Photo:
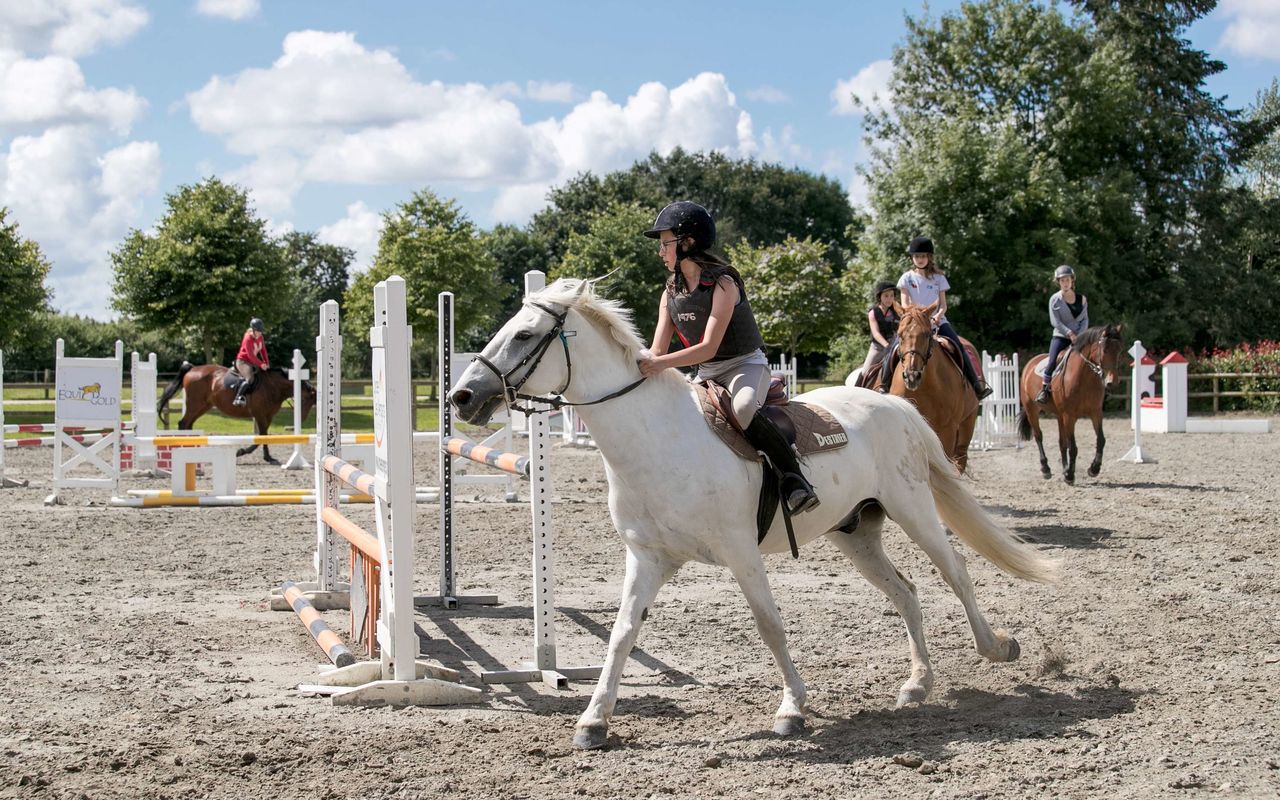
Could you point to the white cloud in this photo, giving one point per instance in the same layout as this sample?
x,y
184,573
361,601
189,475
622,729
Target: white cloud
x,y
77,203
67,27
767,94
1254,27
783,147
359,230
551,91
870,85
329,109
228,9
35,93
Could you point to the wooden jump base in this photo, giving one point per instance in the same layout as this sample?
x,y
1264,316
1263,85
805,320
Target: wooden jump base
x,y
319,630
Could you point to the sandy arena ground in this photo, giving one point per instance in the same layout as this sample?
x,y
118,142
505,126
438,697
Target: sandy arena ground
x,y
140,659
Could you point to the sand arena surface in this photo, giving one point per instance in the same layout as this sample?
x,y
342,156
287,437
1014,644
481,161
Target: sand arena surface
x,y
140,658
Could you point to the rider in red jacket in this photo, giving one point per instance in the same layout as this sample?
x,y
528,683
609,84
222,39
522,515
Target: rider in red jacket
x,y
251,358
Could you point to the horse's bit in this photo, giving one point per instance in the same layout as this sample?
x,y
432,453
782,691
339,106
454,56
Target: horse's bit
x,y
511,390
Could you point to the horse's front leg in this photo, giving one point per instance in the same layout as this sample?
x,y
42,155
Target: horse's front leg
x,y
1067,446
1096,466
262,426
646,573
748,570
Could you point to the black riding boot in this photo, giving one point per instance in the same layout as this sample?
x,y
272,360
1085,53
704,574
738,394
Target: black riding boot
x,y
1045,396
886,367
797,492
980,386
241,390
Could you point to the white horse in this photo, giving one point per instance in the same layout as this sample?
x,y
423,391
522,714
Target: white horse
x,y
678,494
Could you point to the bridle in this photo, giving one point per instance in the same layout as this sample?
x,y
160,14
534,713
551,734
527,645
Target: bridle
x,y
924,357
511,388
1096,368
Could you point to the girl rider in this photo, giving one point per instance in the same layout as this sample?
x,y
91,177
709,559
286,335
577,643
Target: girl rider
x,y
251,358
1069,316
704,302
923,285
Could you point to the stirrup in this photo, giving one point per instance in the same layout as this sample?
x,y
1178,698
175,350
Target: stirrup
x,y
808,499
1046,394
240,401
985,391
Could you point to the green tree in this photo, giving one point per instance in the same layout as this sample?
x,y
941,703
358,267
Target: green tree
x,y
611,243
798,300
23,269
435,247
754,202
208,269
1262,168
516,251
319,272
1021,139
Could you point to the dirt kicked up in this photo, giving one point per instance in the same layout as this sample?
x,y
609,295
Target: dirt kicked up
x,y
139,658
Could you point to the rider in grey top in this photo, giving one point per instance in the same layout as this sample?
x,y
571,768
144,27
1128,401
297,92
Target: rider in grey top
x,y
1069,316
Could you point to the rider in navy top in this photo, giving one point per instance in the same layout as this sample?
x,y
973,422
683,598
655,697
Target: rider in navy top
x,y
705,304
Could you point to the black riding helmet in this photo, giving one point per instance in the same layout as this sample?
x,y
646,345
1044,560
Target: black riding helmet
x,y
880,288
920,244
257,325
688,221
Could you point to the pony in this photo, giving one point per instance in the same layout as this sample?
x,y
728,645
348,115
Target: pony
x,y
206,390
937,388
678,494
1079,387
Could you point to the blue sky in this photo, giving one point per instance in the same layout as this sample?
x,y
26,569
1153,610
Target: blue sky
x,y
330,113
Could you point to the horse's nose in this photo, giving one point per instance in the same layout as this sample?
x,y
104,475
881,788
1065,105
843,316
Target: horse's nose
x,y
460,398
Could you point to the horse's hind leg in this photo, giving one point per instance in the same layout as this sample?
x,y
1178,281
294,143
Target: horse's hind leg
x,y
919,518
748,569
262,425
1096,465
865,549
645,575
1033,419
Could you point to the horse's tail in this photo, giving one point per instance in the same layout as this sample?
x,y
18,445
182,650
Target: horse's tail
x,y
1024,426
162,405
975,527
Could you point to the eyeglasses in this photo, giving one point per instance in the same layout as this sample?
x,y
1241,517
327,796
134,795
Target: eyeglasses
x,y
664,245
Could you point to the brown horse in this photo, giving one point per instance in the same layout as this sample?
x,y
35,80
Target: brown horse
x,y
1079,387
206,390
937,388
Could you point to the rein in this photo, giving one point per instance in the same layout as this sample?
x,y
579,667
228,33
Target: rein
x,y
511,389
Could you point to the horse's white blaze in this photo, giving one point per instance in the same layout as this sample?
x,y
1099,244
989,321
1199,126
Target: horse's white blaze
x,y
677,494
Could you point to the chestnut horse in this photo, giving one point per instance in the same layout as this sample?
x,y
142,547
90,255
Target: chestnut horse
x,y
1079,387
205,391
938,387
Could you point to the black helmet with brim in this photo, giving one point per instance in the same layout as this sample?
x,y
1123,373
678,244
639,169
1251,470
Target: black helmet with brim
x,y
686,220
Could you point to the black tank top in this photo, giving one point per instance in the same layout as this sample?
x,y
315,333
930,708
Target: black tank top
x,y
1076,307
886,321
690,313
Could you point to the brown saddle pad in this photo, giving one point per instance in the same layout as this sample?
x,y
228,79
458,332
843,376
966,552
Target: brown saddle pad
x,y
810,428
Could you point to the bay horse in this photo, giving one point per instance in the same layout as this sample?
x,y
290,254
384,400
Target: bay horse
x,y
678,494
938,388
206,390
1079,388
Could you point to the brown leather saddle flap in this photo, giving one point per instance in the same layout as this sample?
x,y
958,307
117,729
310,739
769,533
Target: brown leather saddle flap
x,y
871,378
810,428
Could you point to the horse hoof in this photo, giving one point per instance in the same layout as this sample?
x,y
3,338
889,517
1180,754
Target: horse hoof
x,y
591,738
1093,471
1015,650
1070,480
1046,474
911,695
272,461
788,726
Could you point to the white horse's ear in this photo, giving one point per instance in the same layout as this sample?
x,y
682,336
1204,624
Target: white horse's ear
x,y
593,281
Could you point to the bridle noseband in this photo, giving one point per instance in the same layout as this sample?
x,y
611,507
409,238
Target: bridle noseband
x,y
511,388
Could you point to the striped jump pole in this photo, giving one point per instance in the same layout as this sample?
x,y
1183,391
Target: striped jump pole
x,y
507,462
321,632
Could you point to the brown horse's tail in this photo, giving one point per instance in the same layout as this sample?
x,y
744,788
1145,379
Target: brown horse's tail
x,y
1024,426
162,405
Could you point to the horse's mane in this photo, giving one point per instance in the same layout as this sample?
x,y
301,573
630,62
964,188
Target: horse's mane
x,y
1087,339
579,294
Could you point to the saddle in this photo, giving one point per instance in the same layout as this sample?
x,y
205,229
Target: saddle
x,y
807,428
1057,368
232,379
